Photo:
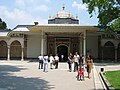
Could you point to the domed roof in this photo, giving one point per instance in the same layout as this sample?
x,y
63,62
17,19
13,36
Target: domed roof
x,y
63,14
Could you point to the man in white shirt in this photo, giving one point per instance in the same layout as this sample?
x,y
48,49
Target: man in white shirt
x,y
76,61
56,61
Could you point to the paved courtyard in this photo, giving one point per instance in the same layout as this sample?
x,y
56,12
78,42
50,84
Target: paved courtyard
x,y
108,66
18,75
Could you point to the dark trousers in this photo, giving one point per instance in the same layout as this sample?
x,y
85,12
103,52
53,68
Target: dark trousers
x,y
75,66
40,64
56,64
70,67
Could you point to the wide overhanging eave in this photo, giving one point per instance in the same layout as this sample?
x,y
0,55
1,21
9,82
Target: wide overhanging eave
x,y
43,27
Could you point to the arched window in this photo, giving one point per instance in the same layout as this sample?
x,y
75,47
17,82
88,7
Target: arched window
x,y
109,44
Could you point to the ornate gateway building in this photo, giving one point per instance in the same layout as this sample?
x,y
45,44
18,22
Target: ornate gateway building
x,y
62,35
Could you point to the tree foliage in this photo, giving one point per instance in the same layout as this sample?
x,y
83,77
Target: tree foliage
x,y
116,25
2,24
108,12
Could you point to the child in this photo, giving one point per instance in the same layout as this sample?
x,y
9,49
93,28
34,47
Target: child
x,y
80,75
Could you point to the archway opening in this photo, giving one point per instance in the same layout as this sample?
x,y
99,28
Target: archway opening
x,y
62,52
3,50
109,51
15,50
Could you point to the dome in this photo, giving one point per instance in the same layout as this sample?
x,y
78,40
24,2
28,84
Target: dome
x,y
63,14
63,17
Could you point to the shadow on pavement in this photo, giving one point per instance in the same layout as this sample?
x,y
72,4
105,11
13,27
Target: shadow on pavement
x,y
9,68
8,82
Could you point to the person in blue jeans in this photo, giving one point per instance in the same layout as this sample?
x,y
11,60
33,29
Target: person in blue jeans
x,y
45,62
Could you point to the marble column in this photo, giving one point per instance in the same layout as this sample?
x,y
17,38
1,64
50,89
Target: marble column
x,y
22,54
116,54
81,45
8,56
102,54
42,44
84,44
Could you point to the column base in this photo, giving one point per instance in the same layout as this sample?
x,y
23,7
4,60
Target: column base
x,y
8,59
22,59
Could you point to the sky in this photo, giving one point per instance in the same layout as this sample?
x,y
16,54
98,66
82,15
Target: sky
x,y
26,12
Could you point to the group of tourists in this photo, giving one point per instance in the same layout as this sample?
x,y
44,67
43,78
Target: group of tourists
x,y
79,64
43,62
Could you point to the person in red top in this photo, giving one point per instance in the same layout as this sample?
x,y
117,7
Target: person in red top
x,y
80,75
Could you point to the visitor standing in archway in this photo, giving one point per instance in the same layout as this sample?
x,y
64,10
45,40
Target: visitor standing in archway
x,y
62,56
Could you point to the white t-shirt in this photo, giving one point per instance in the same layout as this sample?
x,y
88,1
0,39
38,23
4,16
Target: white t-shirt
x,y
56,58
45,59
76,58
51,59
40,57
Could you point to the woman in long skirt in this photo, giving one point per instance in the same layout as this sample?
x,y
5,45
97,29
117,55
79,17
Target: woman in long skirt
x,y
89,63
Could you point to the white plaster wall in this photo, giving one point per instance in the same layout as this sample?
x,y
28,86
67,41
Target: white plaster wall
x,y
33,46
92,45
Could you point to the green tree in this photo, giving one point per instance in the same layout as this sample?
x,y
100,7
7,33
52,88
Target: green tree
x,y
108,12
2,24
116,25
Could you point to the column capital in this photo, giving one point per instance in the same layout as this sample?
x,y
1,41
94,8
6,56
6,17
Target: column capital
x,y
8,46
84,35
116,47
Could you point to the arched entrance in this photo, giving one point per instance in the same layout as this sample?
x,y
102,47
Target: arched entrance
x,y
109,51
62,50
3,49
15,50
